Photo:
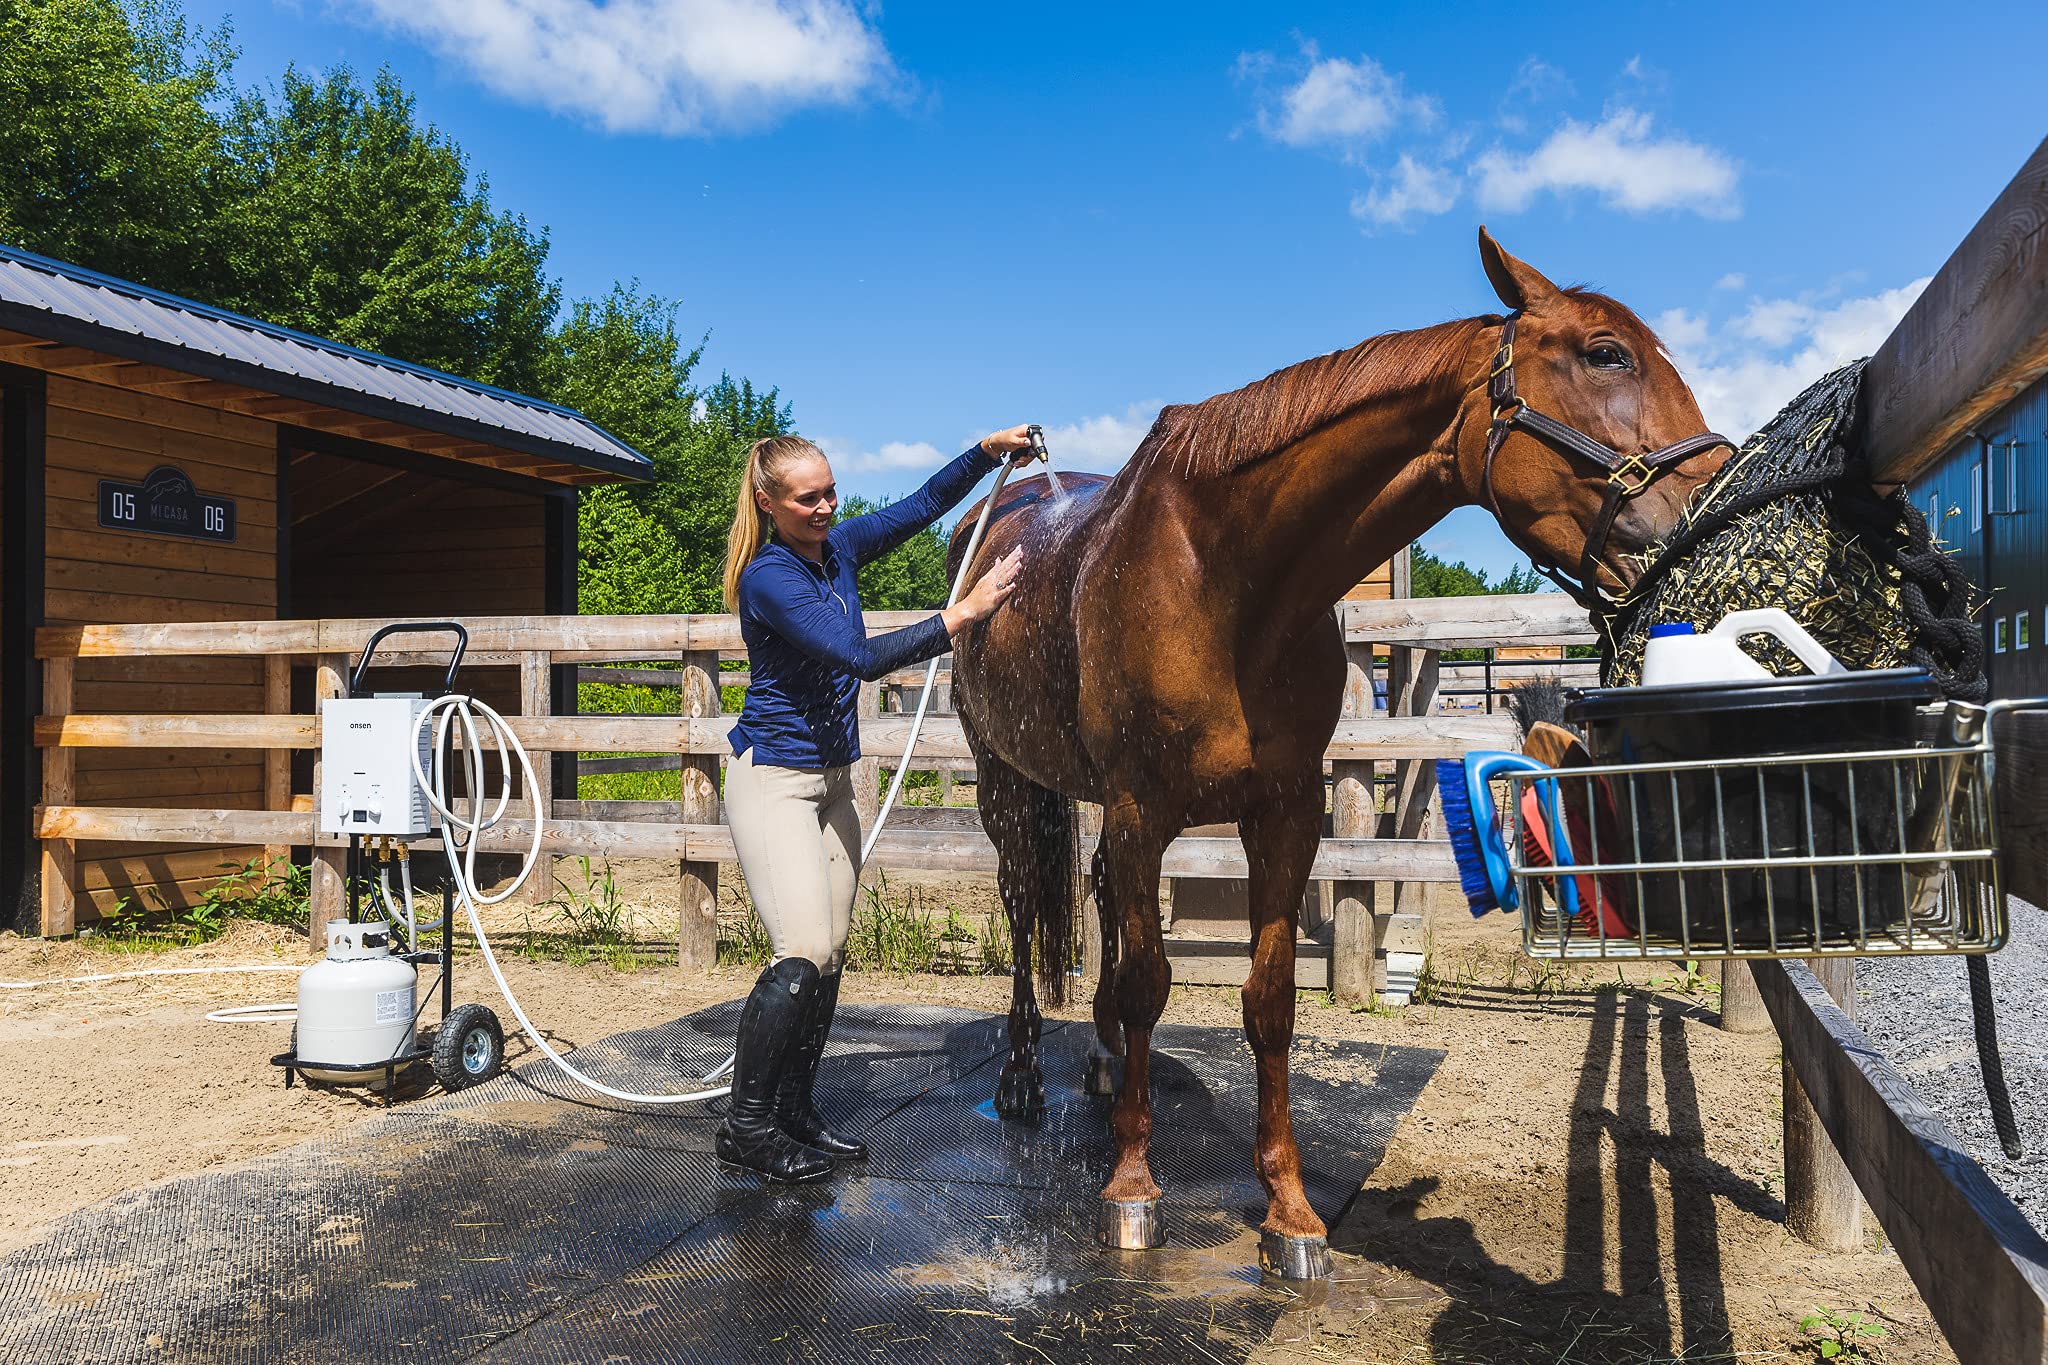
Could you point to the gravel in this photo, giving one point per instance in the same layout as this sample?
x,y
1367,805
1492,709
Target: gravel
x,y
1917,1011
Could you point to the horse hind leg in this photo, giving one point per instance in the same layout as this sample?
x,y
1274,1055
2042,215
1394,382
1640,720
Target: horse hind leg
x,y
1109,1030
1025,822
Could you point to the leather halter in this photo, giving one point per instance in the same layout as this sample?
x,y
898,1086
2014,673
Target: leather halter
x,y
1627,475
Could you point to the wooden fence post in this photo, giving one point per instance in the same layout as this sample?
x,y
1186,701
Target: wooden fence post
x,y
60,788
1090,826
537,698
277,763
697,924
867,774
1742,1006
1402,933
328,899
1354,940
1822,1204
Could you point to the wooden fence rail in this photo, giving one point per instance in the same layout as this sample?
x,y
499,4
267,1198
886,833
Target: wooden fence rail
x,y
689,830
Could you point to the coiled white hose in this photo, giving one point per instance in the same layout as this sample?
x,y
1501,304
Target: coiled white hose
x,y
461,838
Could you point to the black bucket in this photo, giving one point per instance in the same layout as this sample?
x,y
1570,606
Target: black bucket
x,y
1746,812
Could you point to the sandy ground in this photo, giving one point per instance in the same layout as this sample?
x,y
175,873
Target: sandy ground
x,y
1593,1175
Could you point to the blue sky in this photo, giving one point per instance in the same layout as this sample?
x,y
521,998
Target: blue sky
x,y
928,220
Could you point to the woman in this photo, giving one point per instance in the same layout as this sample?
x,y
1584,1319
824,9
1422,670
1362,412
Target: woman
x,y
789,792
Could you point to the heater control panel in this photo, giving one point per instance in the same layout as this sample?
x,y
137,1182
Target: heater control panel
x,y
367,784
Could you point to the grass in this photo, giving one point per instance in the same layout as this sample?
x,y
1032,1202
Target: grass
x,y
587,920
269,892
894,929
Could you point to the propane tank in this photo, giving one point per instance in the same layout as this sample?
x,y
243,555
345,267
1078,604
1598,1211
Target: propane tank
x,y
357,1006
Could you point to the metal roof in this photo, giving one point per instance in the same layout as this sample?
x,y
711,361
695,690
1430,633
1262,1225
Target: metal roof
x,y
70,304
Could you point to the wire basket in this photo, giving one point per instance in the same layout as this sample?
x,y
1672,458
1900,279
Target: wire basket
x,y
1891,851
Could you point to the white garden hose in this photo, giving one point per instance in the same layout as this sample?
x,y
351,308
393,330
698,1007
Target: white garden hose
x,y
461,838
931,669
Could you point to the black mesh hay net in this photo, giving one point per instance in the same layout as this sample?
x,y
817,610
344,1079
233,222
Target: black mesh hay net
x,y
1791,521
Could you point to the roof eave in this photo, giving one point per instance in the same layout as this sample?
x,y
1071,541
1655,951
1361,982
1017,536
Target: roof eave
x,y
124,345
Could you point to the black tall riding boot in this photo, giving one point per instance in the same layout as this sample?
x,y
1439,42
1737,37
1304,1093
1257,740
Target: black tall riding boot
x,y
794,1112
770,1039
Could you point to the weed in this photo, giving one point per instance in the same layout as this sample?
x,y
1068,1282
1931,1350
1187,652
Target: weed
x,y
271,891
1842,1336
1692,983
592,922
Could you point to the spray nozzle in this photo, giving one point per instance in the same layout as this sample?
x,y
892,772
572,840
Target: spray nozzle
x,y
1037,447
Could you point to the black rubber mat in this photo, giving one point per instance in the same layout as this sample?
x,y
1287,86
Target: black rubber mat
x,y
520,1222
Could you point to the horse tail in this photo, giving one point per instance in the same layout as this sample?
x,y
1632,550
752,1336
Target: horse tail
x,y
1056,845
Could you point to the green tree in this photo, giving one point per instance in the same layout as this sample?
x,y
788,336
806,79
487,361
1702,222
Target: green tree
x,y
911,577
1429,576
110,143
360,223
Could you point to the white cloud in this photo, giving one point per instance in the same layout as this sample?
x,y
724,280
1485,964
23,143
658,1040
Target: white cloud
x,y
1412,188
1618,160
1336,102
661,66
893,456
1746,368
1734,279
1103,443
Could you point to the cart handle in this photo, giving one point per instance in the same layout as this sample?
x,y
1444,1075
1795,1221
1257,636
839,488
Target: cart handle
x,y
355,681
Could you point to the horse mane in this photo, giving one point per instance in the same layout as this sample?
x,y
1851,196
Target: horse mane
x,y
1243,426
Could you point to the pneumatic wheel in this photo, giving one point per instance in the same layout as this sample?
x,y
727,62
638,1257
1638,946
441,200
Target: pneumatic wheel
x,y
469,1047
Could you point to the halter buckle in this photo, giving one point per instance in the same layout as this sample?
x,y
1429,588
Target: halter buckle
x,y
1504,359
1632,476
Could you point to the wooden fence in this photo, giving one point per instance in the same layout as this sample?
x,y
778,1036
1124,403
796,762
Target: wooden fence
x,y
1364,848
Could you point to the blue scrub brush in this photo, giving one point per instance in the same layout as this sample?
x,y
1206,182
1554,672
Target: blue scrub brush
x,y
1469,817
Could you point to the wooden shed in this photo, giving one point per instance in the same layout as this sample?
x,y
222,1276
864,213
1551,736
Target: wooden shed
x,y
166,461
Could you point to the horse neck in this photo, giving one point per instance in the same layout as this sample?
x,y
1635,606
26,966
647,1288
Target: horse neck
x,y
1337,504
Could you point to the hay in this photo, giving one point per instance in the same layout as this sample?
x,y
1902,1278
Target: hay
x,y
1791,522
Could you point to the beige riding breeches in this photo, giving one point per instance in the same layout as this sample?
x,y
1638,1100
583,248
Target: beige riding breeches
x,y
797,834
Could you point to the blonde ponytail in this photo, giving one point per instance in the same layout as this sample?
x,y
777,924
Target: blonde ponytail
x,y
767,459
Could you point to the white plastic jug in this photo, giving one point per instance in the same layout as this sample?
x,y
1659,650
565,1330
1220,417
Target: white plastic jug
x,y
1677,653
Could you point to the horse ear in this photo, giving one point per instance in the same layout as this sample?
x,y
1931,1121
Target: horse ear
x,y
1520,285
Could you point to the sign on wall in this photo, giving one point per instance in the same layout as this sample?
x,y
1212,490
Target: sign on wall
x,y
166,504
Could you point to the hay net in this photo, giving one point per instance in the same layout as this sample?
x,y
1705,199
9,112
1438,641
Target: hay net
x,y
1791,521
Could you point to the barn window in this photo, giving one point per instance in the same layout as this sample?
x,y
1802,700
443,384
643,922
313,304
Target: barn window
x,y
1998,635
1934,513
2022,629
1976,498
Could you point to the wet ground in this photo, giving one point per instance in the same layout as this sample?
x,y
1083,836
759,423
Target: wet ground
x,y
516,1221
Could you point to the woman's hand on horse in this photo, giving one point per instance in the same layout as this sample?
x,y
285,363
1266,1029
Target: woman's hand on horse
x,y
1013,441
991,592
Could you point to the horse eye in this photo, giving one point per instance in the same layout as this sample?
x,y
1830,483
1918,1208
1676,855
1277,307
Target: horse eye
x,y
1607,358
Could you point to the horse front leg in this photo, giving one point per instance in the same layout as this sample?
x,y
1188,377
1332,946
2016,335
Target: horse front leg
x,y
1129,1216
1280,844
1109,1031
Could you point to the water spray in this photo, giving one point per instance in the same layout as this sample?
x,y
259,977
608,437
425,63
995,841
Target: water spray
x,y
1037,451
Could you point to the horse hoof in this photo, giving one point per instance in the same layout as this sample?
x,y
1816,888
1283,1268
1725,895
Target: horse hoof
x,y
1294,1258
1102,1078
1129,1224
1019,1094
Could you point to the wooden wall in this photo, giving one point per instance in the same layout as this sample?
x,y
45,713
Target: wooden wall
x,y
91,574
374,540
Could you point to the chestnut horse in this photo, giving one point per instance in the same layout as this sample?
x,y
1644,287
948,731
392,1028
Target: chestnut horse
x,y
1172,652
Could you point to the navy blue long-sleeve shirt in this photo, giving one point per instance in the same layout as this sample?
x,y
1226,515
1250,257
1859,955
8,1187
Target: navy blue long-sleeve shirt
x,y
807,646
